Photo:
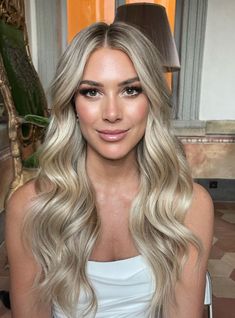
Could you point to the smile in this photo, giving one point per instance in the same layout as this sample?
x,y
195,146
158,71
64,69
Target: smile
x,y
112,135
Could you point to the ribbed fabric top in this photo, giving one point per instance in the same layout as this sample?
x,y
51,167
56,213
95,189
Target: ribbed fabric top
x,y
123,288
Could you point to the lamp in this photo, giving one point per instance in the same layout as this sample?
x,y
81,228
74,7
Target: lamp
x,y
152,20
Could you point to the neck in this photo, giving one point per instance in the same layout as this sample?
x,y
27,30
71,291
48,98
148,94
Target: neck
x,y
111,173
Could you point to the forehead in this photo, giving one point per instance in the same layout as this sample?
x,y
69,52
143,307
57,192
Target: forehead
x,y
109,63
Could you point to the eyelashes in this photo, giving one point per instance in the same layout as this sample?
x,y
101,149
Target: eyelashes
x,y
133,90
129,91
89,92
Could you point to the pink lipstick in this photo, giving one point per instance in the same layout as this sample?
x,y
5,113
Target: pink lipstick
x,y
112,135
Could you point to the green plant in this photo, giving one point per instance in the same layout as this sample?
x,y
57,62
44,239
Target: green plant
x,y
39,121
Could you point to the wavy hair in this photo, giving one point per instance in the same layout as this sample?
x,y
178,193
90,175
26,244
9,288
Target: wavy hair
x,y
62,225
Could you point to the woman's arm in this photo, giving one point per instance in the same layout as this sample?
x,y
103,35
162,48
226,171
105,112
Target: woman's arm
x,y
23,267
191,287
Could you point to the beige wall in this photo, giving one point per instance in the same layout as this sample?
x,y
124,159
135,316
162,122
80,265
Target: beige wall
x,y
211,160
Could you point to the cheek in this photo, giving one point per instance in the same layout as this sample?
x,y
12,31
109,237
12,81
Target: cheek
x,y
140,111
86,114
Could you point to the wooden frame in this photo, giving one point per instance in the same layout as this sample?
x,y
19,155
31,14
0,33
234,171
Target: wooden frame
x,y
13,125
12,12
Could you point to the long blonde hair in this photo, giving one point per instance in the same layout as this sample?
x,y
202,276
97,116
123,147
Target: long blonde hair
x,y
62,225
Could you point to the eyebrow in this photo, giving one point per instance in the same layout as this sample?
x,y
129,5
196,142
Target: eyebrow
x,y
97,84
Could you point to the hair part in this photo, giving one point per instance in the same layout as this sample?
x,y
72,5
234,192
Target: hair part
x,y
62,225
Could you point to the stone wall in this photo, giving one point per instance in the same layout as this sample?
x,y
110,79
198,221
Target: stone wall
x,y
212,157
210,149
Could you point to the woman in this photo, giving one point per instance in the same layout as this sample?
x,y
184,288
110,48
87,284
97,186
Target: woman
x,y
113,225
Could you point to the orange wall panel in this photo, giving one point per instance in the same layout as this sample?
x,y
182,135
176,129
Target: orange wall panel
x,y
82,13
138,1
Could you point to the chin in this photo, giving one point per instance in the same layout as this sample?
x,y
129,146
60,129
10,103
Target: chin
x,y
113,153
115,157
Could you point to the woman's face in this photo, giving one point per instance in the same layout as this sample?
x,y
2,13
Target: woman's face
x,y
111,106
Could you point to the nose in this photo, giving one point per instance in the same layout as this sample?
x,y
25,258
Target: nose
x,y
112,109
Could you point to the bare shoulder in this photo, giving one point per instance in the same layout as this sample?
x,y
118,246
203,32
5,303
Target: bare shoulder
x,y
201,196
201,205
16,208
200,216
23,265
20,200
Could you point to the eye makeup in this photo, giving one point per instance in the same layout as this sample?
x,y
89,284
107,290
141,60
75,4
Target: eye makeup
x,y
132,91
89,92
93,89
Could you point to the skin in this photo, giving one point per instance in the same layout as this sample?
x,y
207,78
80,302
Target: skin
x,y
112,106
112,169
105,102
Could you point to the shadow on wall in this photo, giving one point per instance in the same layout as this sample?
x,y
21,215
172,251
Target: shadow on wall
x,y
221,190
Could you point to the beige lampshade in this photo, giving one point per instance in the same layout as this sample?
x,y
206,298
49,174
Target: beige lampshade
x,y
152,20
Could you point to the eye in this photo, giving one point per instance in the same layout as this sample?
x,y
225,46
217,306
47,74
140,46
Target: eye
x,y
132,91
89,92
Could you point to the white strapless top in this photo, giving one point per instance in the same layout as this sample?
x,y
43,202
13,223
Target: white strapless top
x,y
123,289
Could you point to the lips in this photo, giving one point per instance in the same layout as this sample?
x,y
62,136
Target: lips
x,y
112,135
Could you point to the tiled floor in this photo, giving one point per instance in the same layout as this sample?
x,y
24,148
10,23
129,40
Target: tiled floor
x,y
221,264
222,261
